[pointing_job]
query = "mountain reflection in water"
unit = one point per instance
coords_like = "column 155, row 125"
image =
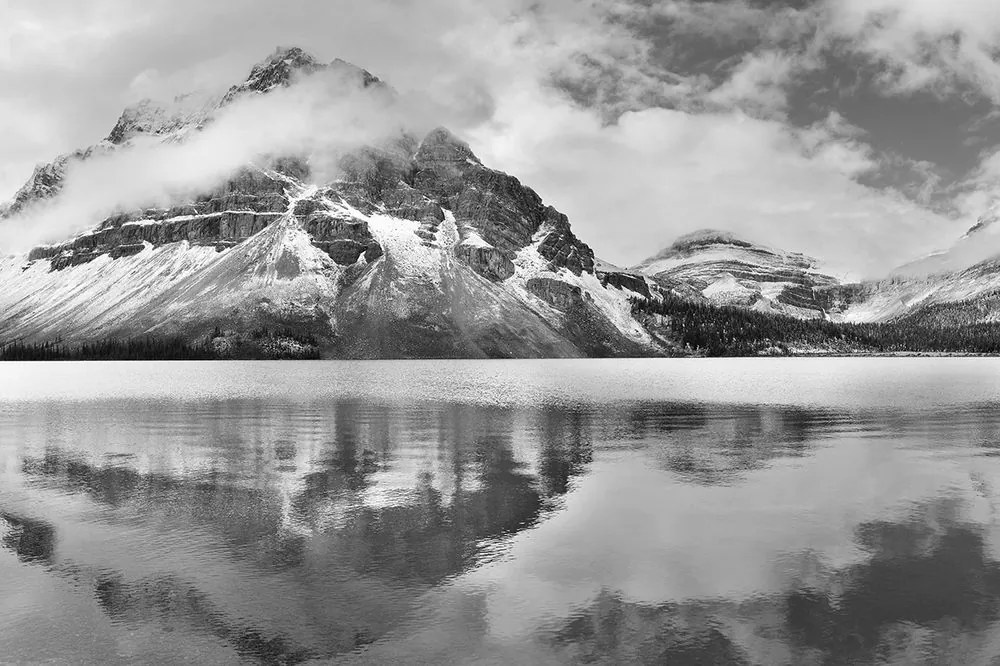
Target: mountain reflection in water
column 220, row 531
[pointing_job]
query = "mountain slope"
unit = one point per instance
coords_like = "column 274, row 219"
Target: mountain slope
column 958, row 298
column 726, row 270
column 980, row 243
column 416, row 250
column 955, row 287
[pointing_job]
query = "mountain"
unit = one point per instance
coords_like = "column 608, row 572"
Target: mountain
column 980, row 243
column 417, row 249
column 727, row 270
column 958, row 298
column 959, row 286
column 718, row 268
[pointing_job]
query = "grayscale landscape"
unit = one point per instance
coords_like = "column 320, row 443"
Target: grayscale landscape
column 499, row 333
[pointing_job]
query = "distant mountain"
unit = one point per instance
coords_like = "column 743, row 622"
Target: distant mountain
column 727, row 270
column 980, row 243
column 416, row 250
column 956, row 287
column 959, row 298
column 718, row 268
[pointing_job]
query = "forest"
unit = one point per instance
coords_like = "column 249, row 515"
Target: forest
column 259, row 343
column 711, row 330
column 109, row 349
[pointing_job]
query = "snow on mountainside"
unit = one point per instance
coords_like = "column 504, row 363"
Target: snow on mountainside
column 963, row 297
column 726, row 270
column 151, row 118
column 980, row 243
column 416, row 250
column 957, row 286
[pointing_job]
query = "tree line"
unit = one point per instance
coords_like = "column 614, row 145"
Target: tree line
column 734, row 331
column 146, row 348
column 259, row 343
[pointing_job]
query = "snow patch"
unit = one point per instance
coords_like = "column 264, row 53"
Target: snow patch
column 727, row 288
column 468, row 233
column 409, row 254
column 613, row 303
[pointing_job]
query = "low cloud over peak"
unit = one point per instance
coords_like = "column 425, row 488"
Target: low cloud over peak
column 159, row 154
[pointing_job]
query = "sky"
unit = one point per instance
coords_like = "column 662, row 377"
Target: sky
column 862, row 132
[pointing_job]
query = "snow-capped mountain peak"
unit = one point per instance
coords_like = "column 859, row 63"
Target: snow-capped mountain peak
column 156, row 118
column 279, row 68
column 171, row 120
column 726, row 269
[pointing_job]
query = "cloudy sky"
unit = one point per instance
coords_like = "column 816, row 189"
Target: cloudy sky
column 865, row 132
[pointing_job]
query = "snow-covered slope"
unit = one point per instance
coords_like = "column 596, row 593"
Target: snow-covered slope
column 957, row 286
column 980, row 243
column 727, row 270
column 417, row 250
column 958, row 298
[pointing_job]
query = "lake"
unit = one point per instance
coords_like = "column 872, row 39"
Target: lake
column 748, row 511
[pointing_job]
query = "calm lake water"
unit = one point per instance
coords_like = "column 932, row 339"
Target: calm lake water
column 780, row 511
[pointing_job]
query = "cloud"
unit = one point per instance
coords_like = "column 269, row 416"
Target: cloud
column 759, row 83
column 916, row 44
column 922, row 44
column 632, row 187
column 320, row 117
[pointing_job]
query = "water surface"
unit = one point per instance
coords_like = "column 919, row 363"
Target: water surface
column 788, row 511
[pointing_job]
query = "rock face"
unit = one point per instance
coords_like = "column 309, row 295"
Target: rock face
column 485, row 260
column 636, row 283
column 727, row 270
column 494, row 210
column 45, row 182
column 239, row 209
column 416, row 249
column 560, row 295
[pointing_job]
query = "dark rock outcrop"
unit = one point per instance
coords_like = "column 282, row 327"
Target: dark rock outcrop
column 342, row 237
column 410, row 204
column 562, row 248
column 486, row 260
column 622, row 280
column 560, row 295
column 279, row 69
column 240, row 208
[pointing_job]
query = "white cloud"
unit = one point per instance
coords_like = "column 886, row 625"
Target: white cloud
column 320, row 117
column 758, row 82
column 631, row 188
column 923, row 44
